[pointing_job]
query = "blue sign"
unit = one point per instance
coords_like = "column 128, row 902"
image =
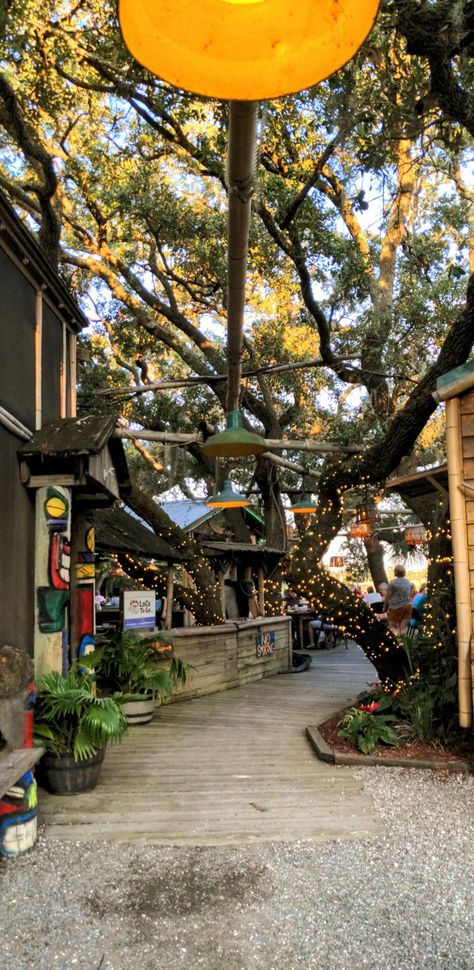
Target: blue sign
column 265, row 644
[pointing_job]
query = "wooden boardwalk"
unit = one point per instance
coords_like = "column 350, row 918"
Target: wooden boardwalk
column 230, row 768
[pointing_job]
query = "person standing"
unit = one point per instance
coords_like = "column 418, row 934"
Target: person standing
column 398, row 601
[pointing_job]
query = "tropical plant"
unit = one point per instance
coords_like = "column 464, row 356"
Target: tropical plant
column 366, row 729
column 427, row 696
column 69, row 719
column 132, row 666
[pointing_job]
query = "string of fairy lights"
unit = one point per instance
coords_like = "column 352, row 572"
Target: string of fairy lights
column 327, row 594
column 332, row 599
column 199, row 598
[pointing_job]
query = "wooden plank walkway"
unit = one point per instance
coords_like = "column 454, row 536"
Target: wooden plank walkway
column 230, row 768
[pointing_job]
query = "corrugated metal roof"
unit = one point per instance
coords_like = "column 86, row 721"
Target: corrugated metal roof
column 187, row 513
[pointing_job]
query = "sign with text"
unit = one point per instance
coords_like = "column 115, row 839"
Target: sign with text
column 265, row 644
column 139, row 609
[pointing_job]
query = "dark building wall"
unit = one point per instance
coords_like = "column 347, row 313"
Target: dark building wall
column 17, row 334
column 17, row 549
column 51, row 365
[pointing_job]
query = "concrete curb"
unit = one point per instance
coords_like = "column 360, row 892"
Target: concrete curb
column 331, row 756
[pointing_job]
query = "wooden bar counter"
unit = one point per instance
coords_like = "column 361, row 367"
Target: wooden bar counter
column 234, row 653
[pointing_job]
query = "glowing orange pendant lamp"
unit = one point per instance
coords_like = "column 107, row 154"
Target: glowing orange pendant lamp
column 228, row 498
column 245, row 50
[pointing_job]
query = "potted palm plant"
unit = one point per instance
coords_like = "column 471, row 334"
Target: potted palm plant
column 74, row 726
column 137, row 674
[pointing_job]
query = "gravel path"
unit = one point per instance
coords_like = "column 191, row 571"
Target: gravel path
column 402, row 901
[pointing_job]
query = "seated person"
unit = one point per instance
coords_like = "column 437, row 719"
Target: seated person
column 371, row 597
column 325, row 633
column 418, row 608
column 114, row 601
column 160, row 611
column 291, row 600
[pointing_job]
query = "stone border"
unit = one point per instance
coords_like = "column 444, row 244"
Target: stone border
column 331, row 756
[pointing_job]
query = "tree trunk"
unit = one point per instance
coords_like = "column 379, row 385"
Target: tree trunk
column 266, row 477
column 375, row 554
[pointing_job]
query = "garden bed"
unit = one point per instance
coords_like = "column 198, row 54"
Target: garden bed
column 457, row 755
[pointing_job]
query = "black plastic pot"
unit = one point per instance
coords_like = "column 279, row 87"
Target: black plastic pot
column 62, row 775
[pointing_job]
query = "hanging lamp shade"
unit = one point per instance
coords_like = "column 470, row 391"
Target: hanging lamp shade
column 305, row 506
column 228, row 498
column 415, row 535
column 245, row 50
column 235, row 441
column 367, row 513
column 359, row 530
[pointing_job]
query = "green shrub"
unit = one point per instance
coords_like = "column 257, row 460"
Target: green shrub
column 366, row 728
column 70, row 719
column 130, row 665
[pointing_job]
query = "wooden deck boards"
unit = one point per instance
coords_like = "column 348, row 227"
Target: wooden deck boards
column 229, row 768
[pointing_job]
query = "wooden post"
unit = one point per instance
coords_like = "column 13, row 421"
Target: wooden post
column 38, row 360
column 242, row 155
column 169, row 597
column 221, row 578
column 261, row 591
column 457, row 512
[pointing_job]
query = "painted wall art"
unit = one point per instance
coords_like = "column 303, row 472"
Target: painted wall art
column 53, row 596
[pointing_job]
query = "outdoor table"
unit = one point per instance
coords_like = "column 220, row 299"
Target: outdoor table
column 298, row 618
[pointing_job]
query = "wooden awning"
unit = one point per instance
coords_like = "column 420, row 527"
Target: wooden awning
column 426, row 482
column 116, row 531
column 77, row 452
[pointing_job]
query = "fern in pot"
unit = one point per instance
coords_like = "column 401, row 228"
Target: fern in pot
column 74, row 726
column 133, row 669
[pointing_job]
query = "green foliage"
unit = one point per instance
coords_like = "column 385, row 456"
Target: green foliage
column 68, row 718
column 425, row 697
column 131, row 666
column 364, row 727
column 428, row 698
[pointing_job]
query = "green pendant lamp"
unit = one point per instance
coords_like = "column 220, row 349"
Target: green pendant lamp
column 305, row 506
column 235, row 441
column 228, row 498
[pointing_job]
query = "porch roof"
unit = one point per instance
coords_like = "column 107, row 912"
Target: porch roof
column 116, row 531
column 424, row 482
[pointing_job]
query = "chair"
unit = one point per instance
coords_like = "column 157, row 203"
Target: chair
column 325, row 634
column 377, row 607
